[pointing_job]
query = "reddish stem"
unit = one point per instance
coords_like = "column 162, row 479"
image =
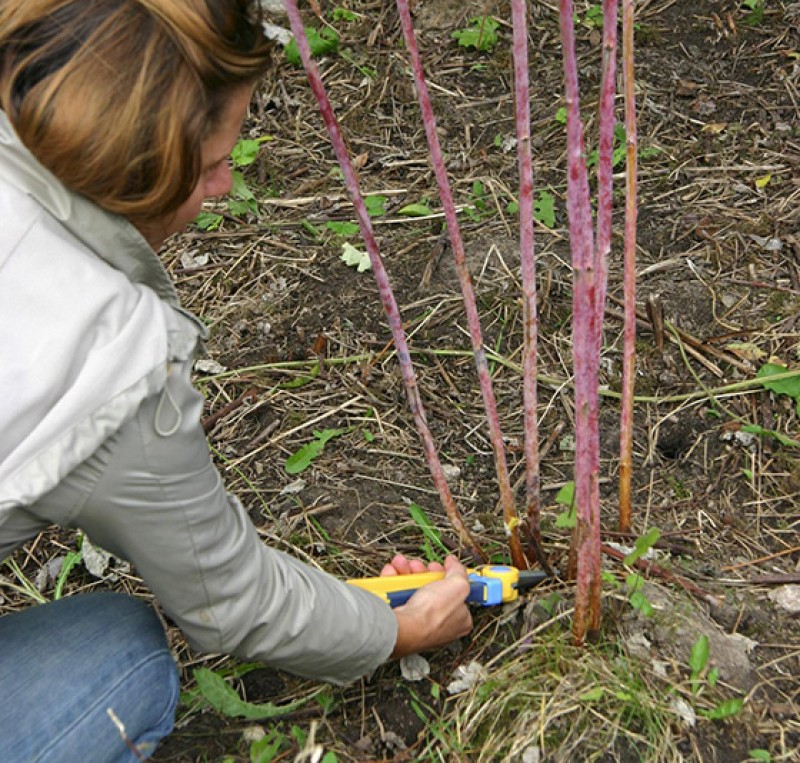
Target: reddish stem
column 585, row 346
column 605, row 158
column 510, row 518
column 382, row 279
column 528, row 268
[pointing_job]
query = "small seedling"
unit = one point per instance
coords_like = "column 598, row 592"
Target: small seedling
column 726, row 709
column 480, row 35
column 478, row 210
column 636, row 596
column 266, row 749
column 642, row 545
column 592, row 19
column 70, row 560
column 301, row 460
column 242, row 200
column 343, row 14
column 755, row 11
column 432, row 538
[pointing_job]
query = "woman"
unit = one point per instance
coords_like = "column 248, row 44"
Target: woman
column 116, row 121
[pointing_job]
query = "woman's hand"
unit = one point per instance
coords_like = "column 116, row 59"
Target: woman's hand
column 437, row 613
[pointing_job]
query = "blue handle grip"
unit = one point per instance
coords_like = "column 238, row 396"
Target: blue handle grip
column 484, row 591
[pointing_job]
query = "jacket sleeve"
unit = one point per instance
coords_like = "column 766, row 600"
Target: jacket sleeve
column 151, row 495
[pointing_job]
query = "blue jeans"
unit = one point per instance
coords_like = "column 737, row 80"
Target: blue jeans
column 64, row 665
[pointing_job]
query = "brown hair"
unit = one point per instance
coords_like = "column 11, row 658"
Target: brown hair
column 115, row 97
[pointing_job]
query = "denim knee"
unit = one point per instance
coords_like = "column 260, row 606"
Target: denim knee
column 85, row 678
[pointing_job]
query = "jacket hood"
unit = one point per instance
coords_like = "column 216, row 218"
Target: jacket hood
column 90, row 224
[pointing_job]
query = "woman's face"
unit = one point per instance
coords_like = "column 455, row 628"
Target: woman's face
column 215, row 177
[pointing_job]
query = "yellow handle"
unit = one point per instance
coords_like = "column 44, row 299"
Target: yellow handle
column 490, row 584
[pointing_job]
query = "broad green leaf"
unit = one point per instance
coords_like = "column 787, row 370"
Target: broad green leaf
column 343, row 14
column 544, row 209
column 320, row 43
column 566, row 495
column 246, row 150
column 415, row 210
column 376, row 205
column 592, row 695
column 355, row 258
column 343, row 229
column 643, row 545
column 239, row 187
column 609, row 578
column 641, row 603
column 760, row 754
column 790, row 387
column 225, row 700
column 726, row 709
column 561, row 115
column 208, row 220
column 634, row 581
column 301, row 459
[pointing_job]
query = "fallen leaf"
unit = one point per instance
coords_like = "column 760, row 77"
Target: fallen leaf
column 787, row 597
column 466, row 676
column 746, row 350
column 355, row 258
column 414, row 667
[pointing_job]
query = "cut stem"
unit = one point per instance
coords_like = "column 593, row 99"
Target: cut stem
column 382, row 279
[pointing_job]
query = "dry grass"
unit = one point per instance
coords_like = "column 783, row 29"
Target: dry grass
column 304, row 346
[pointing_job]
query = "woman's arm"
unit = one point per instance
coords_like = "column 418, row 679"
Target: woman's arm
column 151, row 495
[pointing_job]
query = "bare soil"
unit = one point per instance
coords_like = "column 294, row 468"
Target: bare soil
column 304, row 345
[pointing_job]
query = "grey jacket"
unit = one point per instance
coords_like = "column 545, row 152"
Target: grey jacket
column 99, row 429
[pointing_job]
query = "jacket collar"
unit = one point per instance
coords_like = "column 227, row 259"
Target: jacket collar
column 109, row 236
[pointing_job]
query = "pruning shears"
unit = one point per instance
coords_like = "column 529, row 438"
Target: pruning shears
column 489, row 585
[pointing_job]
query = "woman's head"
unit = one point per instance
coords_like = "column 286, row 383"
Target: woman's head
column 117, row 97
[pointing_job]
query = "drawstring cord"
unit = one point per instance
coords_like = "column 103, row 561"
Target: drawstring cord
column 167, row 395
